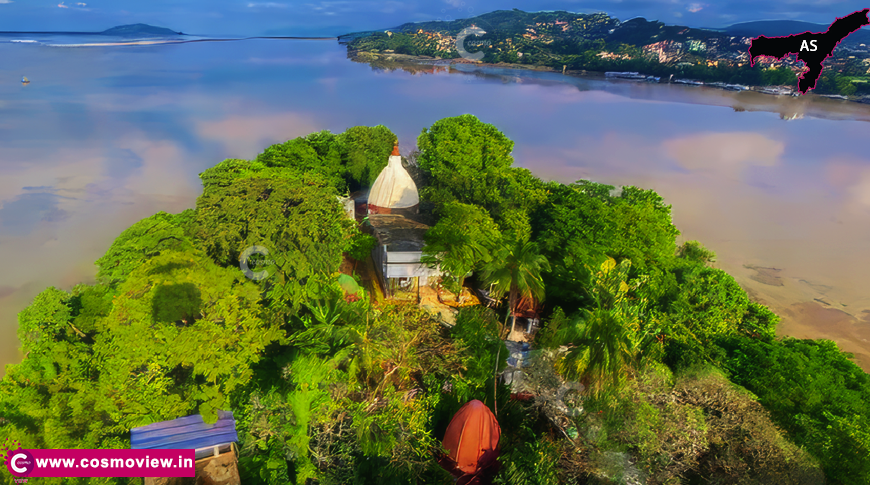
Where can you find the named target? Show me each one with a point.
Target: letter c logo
(14, 463)
(20, 463)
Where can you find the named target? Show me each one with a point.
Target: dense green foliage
(470, 162)
(584, 222)
(609, 343)
(347, 160)
(464, 239)
(640, 336)
(695, 427)
(816, 394)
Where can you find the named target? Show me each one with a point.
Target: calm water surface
(103, 137)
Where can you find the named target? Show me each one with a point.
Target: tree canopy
(464, 239)
(650, 361)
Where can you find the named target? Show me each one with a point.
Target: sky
(334, 17)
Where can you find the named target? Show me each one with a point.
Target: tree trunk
(495, 381)
(79, 332)
(512, 303)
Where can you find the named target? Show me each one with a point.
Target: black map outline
(790, 45)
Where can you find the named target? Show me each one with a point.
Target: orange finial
(395, 148)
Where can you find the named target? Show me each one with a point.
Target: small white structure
(397, 255)
(347, 204)
(394, 191)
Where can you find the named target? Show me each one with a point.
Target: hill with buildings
(597, 42)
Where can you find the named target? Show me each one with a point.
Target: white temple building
(394, 191)
(392, 198)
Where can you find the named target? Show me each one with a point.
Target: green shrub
(816, 394)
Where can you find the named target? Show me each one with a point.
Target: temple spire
(394, 189)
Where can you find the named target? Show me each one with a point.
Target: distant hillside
(636, 31)
(509, 22)
(584, 27)
(597, 42)
(139, 30)
(780, 28)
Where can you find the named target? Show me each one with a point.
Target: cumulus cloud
(61, 5)
(724, 152)
(860, 191)
(850, 177)
(244, 136)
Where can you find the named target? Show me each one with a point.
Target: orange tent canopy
(472, 437)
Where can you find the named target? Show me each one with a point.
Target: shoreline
(367, 57)
(809, 309)
(810, 305)
(143, 42)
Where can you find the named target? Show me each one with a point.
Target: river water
(104, 136)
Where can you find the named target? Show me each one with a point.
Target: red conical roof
(472, 437)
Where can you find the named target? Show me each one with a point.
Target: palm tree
(608, 342)
(461, 241)
(516, 270)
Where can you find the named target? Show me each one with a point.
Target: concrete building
(397, 255)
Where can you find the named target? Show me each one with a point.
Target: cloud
(850, 177)
(77, 5)
(5, 1)
(695, 7)
(860, 191)
(267, 5)
(244, 136)
(724, 152)
(24, 213)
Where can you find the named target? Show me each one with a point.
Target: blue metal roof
(189, 432)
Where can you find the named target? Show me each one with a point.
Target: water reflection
(108, 136)
(789, 107)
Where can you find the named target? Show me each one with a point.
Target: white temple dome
(394, 188)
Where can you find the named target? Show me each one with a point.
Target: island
(131, 30)
(346, 307)
(810, 48)
(140, 30)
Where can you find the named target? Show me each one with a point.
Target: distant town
(636, 49)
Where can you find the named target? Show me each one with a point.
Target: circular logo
(20, 463)
(246, 258)
(471, 49)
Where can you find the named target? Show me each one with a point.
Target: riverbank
(776, 91)
(813, 288)
(136, 130)
(810, 309)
